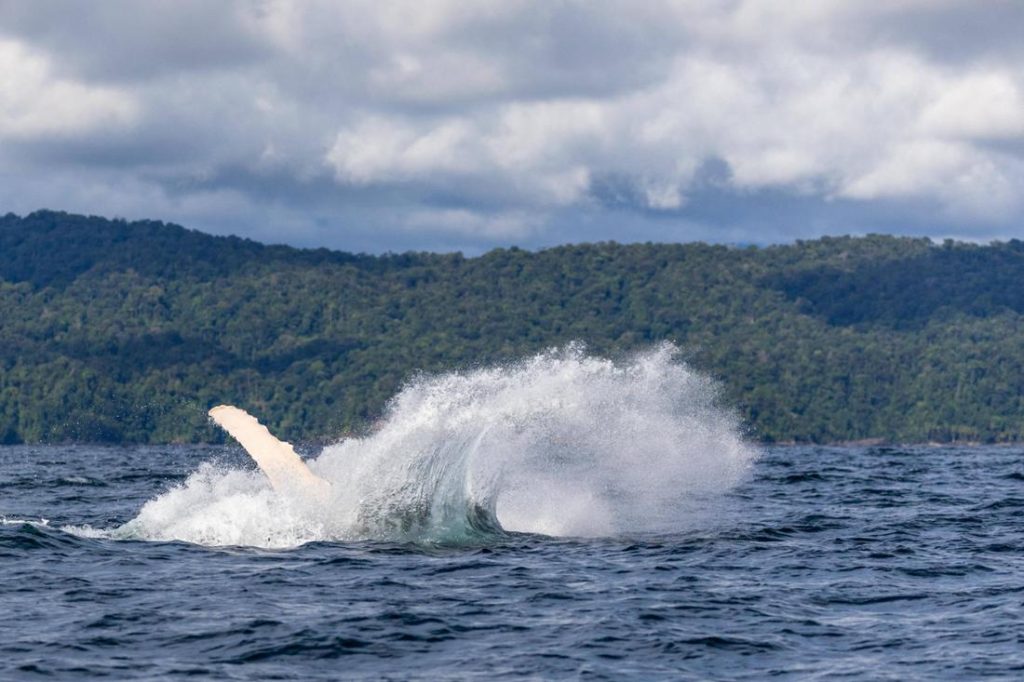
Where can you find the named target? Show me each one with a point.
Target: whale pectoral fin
(275, 458)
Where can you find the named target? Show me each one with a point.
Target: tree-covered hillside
(115, 331)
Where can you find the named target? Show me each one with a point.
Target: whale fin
(275, 458)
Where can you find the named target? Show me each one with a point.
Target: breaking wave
(562, 444)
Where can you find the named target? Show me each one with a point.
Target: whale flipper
(275, 458)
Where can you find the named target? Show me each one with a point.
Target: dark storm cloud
(442, 124)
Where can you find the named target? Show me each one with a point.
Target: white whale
(275, 458)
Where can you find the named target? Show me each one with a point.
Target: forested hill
(115, 331)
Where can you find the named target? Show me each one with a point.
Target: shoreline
(861, 443)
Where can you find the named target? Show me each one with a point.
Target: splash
(562, 444)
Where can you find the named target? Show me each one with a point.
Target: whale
(288, 474)
(275, 458)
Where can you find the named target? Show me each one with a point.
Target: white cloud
(912, 168)
(436, 78)
(378, 150)
(509, 114)
(34, 101)
(535, 151)
(986, 105)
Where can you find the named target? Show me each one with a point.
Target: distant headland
(115, 331)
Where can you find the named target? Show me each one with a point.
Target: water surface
(852, 563)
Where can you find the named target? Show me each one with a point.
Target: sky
(449, 125)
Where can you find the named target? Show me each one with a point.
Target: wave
(562, 444)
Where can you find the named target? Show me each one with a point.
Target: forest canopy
(115, 331)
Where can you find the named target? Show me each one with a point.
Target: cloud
(988, 104)
(436, 123)
(34, 102)
(119, 41)
(503, 226)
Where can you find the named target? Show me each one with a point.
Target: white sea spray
(562, 443)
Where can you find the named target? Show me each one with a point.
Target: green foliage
(127, 332)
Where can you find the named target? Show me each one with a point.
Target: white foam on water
(562, 443)
(39, 523)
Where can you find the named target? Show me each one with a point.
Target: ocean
(565, 518)
(850, 563)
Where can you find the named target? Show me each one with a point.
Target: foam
(561, 443)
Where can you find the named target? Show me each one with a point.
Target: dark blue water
(850, 563)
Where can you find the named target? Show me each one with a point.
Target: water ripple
(863, 564)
